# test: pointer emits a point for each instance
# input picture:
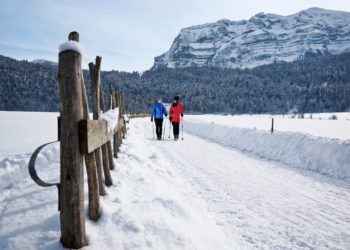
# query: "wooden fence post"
(123, 113)
(115, 138)
(96, 112)
(111, 99)
(105, 158)
(120, 107)
(91, 170)
(95, 90)
(272, 126)
(58, 128)
(107, 148)
(72, 218)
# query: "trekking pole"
(169, 128)
(164, 130)
(182, 127)
(153, 130)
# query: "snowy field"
(230, 184)
(23, 132)
(319, 125)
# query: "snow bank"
(319, 125)
(111, 117)
(71, 45)
(327, 156)
(14, 169)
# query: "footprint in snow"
(130, 226)
(171, 206)
(153, 156)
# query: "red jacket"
(175, 112)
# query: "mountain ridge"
(262, 39)
(45, 62)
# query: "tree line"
(314, 84)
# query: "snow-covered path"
(261, 204)
(258, 203)
(190, 194)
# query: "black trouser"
(176, 129)
(159, 124)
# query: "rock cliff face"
(263, 39)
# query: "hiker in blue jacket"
(158, 110)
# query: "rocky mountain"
(263, 39)
(45, 62)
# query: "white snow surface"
(320, 125)
(196, 193)
(111, 117)
(23, 132)
(324, 155)
(71, 45)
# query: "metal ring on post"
(34, 175)
(32, 171)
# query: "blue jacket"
(158, 110)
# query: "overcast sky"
(128, 34)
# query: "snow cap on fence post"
(72, 44)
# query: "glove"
(152, 119)
(170, 119)
(166, 115)
(182, 115)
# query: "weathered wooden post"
(96, 112)
(120, 107)
(95, 90)
(91, 169)
(72, 173)
(107, 148)
(124, 112)
(104, 148)
(111, 99)
(58, 128)
(272, 126)
(115, 137)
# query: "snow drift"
(14, 169)
(327, 156)
(111, 117)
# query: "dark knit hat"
(176, 98)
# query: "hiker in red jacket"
(176, 110)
